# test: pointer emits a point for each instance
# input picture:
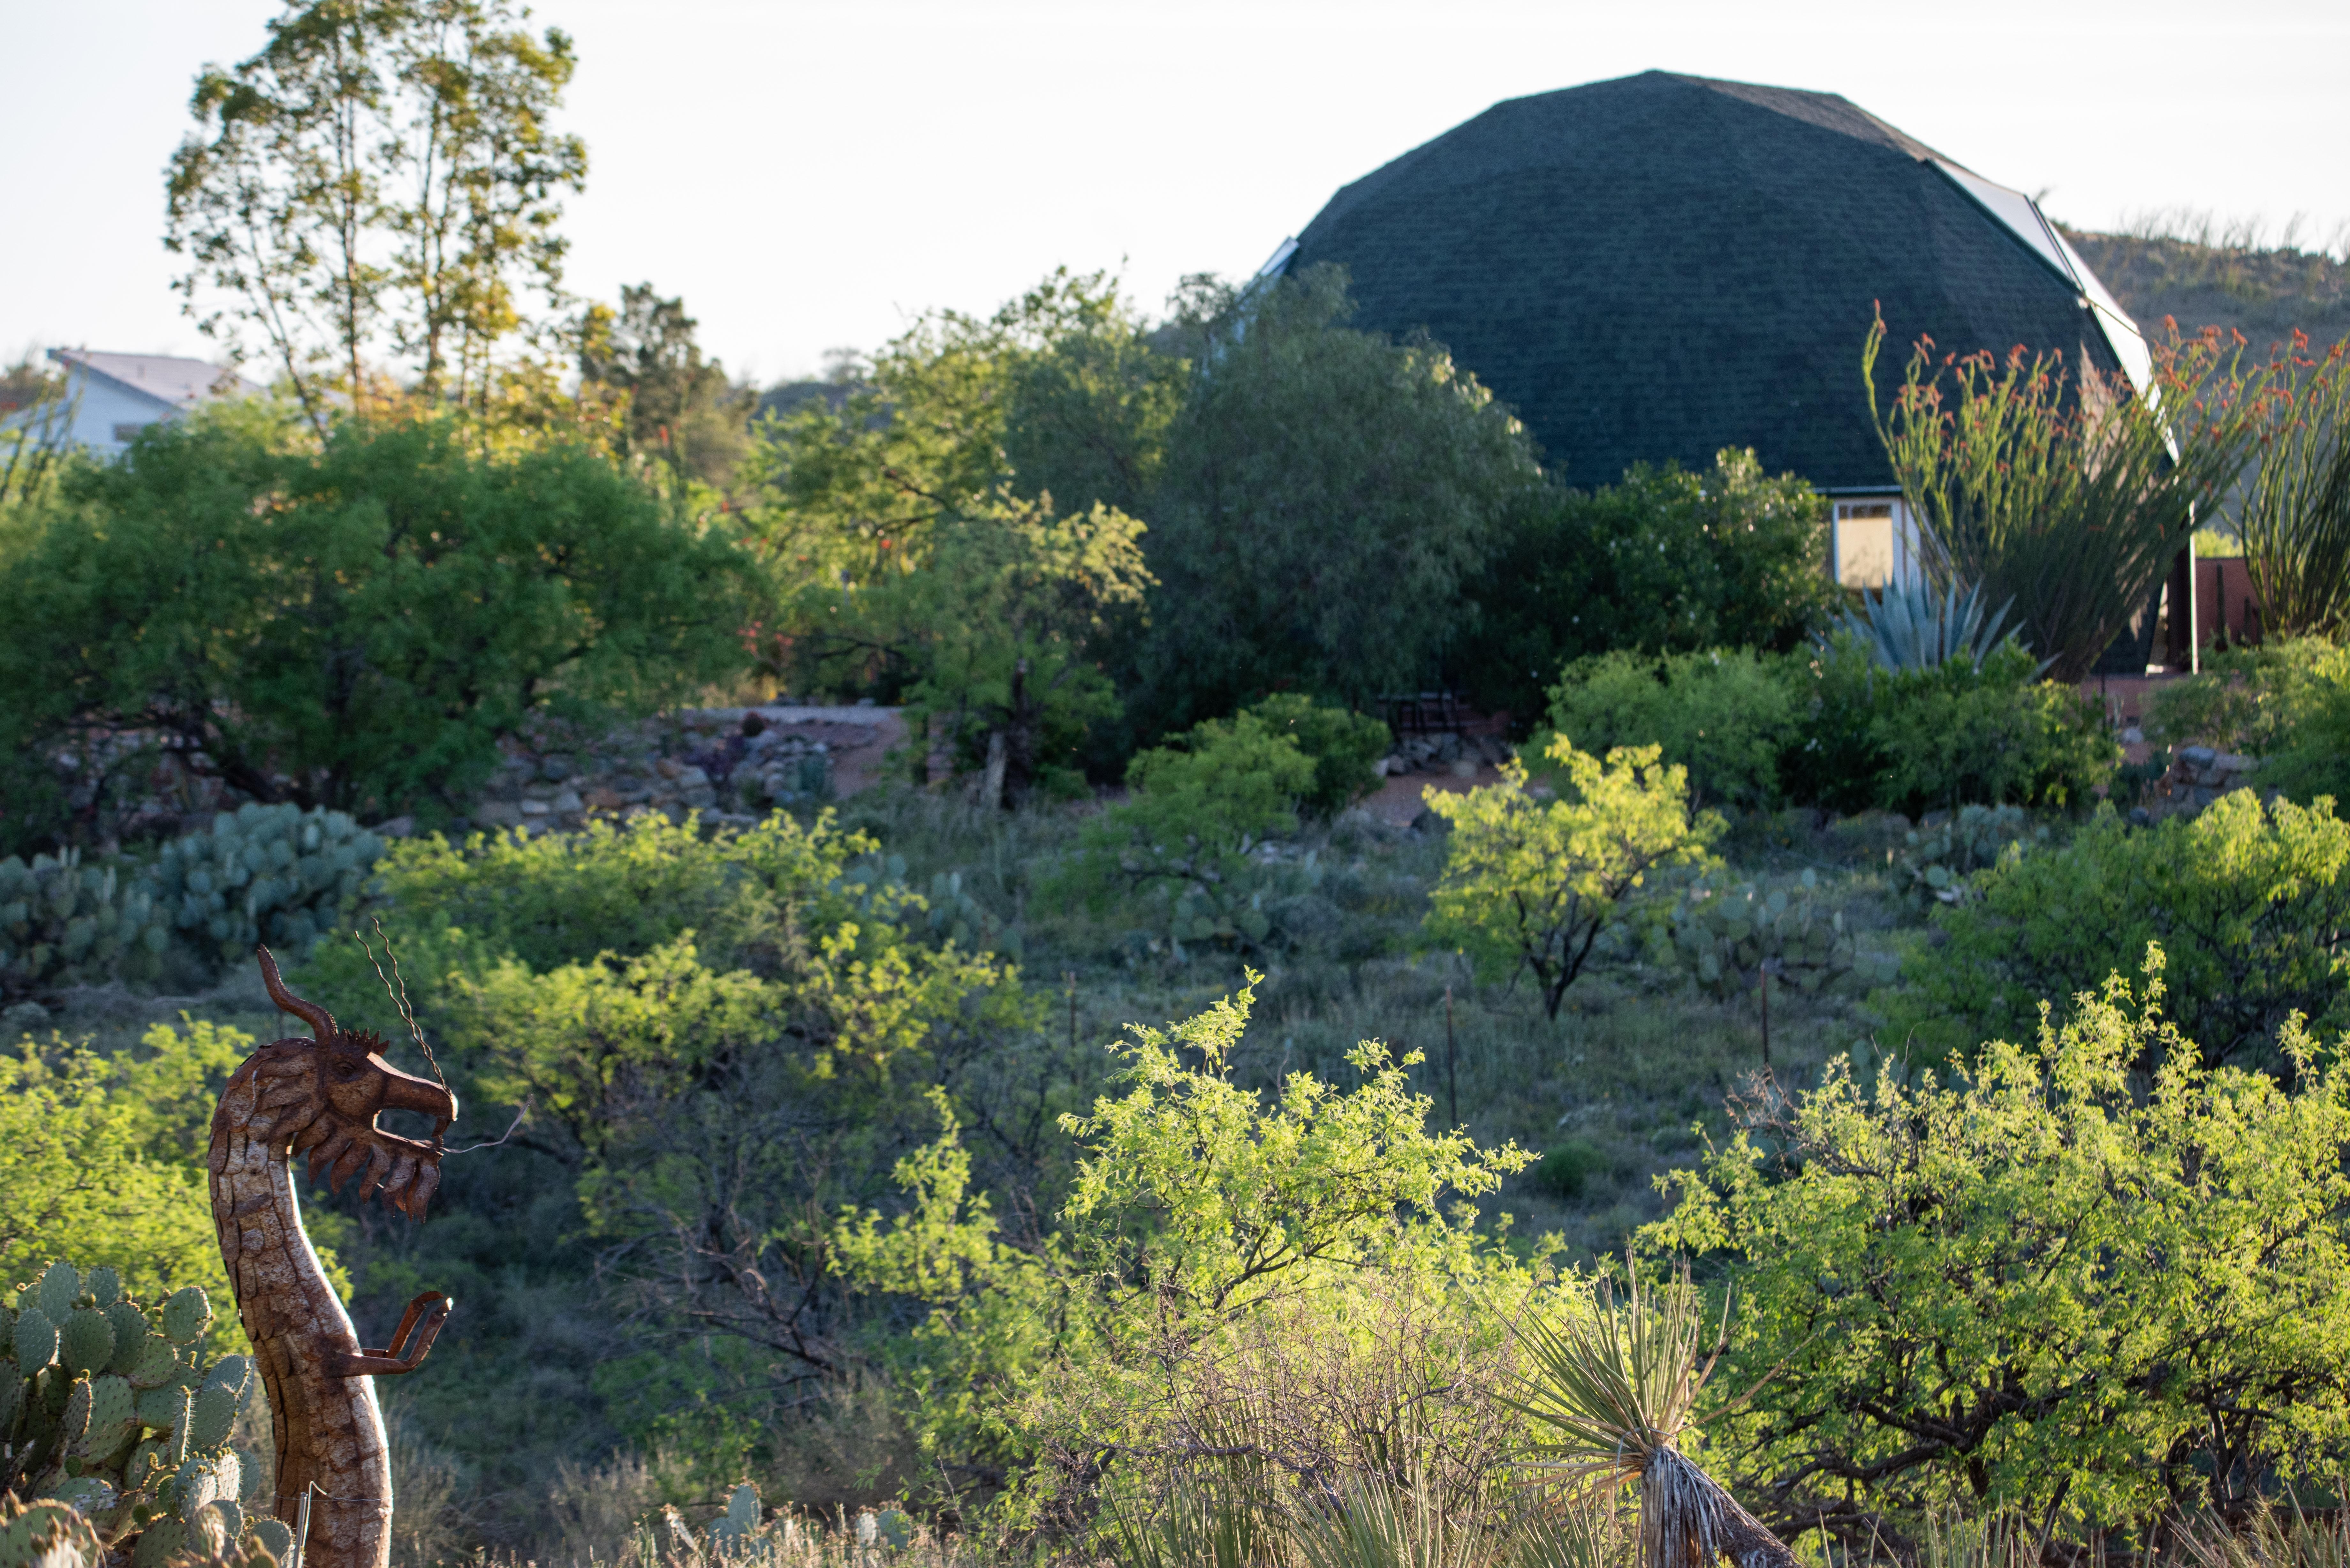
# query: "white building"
(110, 398)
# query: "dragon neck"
(329, 1431)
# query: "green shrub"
(2089, 1282)
(1566, 1169)
(2286, 702)
(1938, 739)
(351, 627)
(1530, 884)
(1724, 715)
(1343, 745)
(1667, 561)
(2251, 904)
(1196, 809)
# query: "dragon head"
(322, 1095)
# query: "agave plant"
(1911, 628)
(1614, 1392)
(2293, 511)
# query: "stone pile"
(732, 765)
(2198, 776)
(1444, 752)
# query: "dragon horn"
(321, 1022)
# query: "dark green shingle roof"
(1661, 265)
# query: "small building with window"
(1652, 268)
(110, 398)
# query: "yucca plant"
(1914, 628)
(1614, 1392)
(2272, 1538)
(1376, 1524)
(2294, 515)
(1197, 1524)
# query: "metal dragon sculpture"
(320, 1096)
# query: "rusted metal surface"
(321, 1097)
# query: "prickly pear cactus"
(1724, 934)
(1237, 913)
(65, 923)
(956, 916)
(48, 1533)
(1934, 863)
(741, 1523)
(262, 873)
(107, 1411)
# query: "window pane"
(1864, 543)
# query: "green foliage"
(1728, 934)
(1326, 499)
(2250, 903)
(682, 413)
(2067, 499)
(1196, 809)
(2090, 1282)
(1055, 397)
(1002, 631)
(1724, 715)
(1957, 735)
(2285, 702)
(385, 171)
(1530, 884)
(1664, 562)
(89, 1167)
(353, 627)
(1344, 746)
(1941, 738)
(1934, 863)
(117, 1415)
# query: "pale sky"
(809, 175)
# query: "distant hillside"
(2263, 293)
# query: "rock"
(690, 778)
(2197, 756)
(1464, 767)
(668, 767)
(702, 797)
(555, 769)
(497, 813)
(605, 798)
(24, 1018)
(568, 802)
(536, 808)
(398, 827)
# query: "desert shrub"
(1530, 884)
(1666, 561)
(1324, 497)
(1724, 715)
(2091, 1281)
(105, 1157)
(1343, 745)
(1936, 739)
(2286, 702)
(1958, 735)
(1196, 808)
(2252, 903)
(351, 627)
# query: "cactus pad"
(76, 1421)
(210, 1416)
(46, 1531)
(130, 1326)
(36, 1341)
(57, 1289)
(158, 1543)
(105, 1286)
(274, 1536)
(113, 1415)
(86, 1341)
(186, 1315)
(157, 1364)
